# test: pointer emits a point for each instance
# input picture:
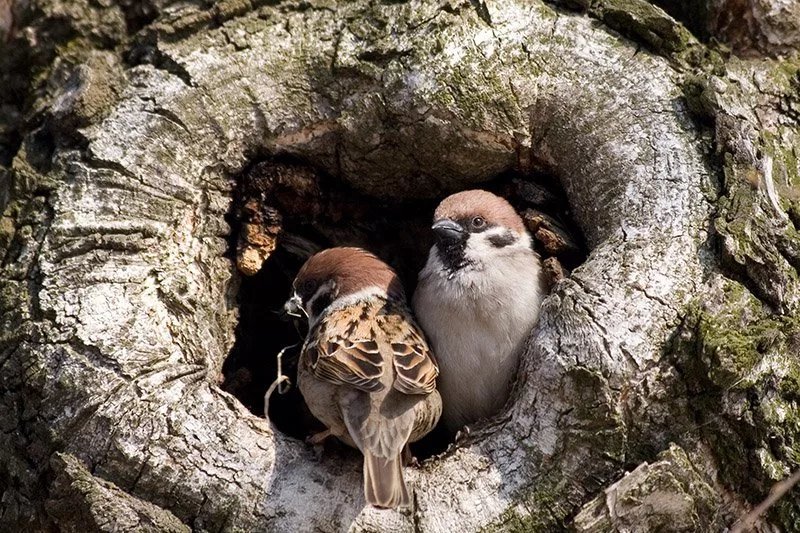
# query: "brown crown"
(468, 204)
(353, 269)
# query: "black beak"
(449, 232)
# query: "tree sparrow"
(477, 299)
(365, 369)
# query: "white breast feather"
(477, 320)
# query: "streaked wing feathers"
(342, 361)
(349, 343)
(415, 365)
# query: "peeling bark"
(668, 353)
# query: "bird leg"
(318, 438)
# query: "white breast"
(476, 321)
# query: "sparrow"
(365, 370)
(477, 299)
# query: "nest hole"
(285, 210)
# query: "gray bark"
(669, 352)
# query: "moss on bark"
(737, 358)
(402, 101)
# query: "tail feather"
(384, 485)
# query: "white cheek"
(480, 249)
(487, 265)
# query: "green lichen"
(786, 76)
(787, 511)
(7, 230)
(638, 501)
(544, 508)
(693, 13)
(757, 242)
(739, 360)
(512, 521)
(749, 229)
(732, 344)
(783, 147)
(595, 438)
(701, 99)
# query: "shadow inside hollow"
(397, 232)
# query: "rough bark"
(669, 352)
(749, 27)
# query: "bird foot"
(317, 441)
(462, 434)
(408, 458)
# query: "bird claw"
(317, 451)
(317, 442)
(408, 458)
(462, 434)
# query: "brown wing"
(413, 361)
(348, 349)
(341, 357)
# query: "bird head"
(473, 227)
(338, 275)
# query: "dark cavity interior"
(300, 210)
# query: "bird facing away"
(477, 299)
(365, 369)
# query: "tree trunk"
(671, 352)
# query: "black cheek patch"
(503, 239)
(305, 293)
(319, 305)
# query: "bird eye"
(309, 285)
(478, 222)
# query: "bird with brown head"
(365, 370)
(478, 298)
